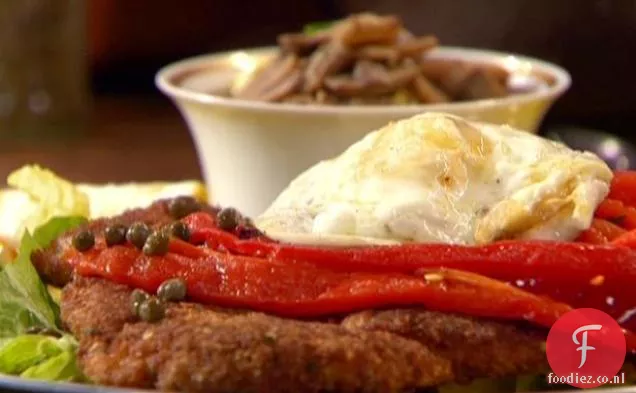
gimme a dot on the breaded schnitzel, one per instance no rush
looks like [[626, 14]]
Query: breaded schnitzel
[[197, 348]]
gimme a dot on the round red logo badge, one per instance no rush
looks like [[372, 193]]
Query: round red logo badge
[[586, 349]]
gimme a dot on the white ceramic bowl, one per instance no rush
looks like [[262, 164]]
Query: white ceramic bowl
[[249, 151]]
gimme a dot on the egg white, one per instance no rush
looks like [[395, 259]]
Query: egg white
[[437, 178]]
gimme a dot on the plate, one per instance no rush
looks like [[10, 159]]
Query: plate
[[10, 384]]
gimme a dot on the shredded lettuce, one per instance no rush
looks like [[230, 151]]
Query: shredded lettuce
[[61, 367], [27, 350], [25, 303], [52, 196], [40, 357]]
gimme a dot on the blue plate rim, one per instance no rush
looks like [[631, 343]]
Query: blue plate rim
[[36, 386]]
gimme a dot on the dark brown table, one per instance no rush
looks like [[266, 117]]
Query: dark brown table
[[124, 139]]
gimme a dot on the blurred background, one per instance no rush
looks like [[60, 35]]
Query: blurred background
[[102, 119]]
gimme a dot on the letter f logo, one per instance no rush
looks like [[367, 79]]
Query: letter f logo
[[583, 344], [571, 339]]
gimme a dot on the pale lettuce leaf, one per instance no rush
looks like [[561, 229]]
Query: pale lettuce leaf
[[26, 303], [24, 300], [40, 357]]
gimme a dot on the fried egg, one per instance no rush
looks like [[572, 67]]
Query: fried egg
[[437, 178]]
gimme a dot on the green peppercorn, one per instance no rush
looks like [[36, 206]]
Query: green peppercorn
[[115, 234], [182, 206], [136, 298], [137, 234], [228, 219], [179, 230], [156, 244], [151, 310], [84, 241], [172, 290]]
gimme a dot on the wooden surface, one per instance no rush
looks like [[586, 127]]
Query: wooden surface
[[124, 139]]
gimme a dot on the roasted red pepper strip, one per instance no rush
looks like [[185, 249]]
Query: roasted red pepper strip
[[616, 212], [217, 239], [600, 232], [628, 239], [304, 290], [582, 275], [186, 249], [592, 236], [623, 187], [610, 230], [610, 209]]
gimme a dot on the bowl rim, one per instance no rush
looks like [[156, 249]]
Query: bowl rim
[[166, 76]]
